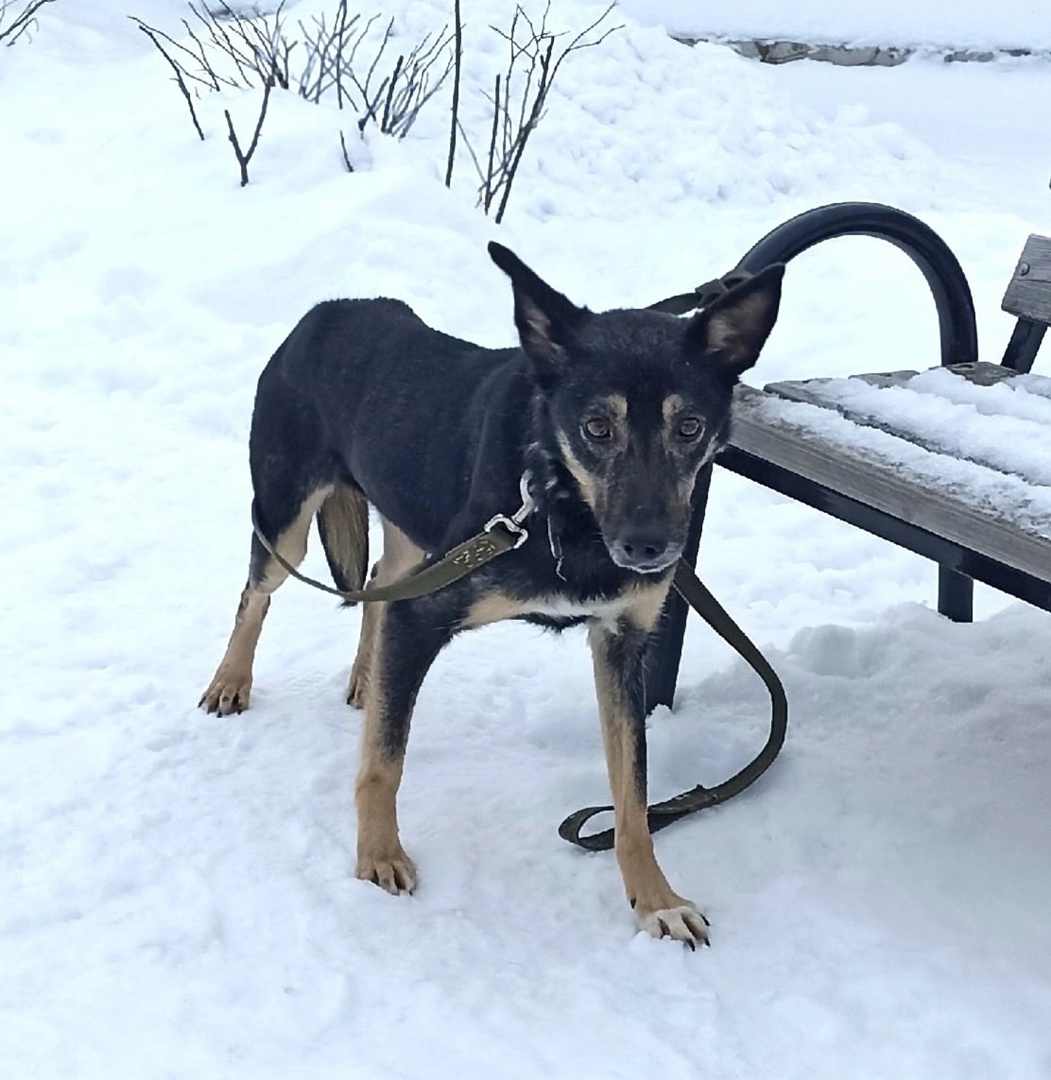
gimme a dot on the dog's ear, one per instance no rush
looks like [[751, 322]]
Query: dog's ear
[[545, 318], [733, 329]]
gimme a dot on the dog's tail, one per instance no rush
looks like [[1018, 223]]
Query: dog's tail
[[343, 522]]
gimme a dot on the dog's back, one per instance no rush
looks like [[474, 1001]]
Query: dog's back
[[363, 393]]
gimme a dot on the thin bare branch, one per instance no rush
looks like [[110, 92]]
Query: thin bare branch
[[346, 156], [243, 158], [455, 119], [23, 22], [178, 76]]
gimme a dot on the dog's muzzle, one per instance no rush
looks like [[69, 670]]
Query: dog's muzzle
[[645, 552]]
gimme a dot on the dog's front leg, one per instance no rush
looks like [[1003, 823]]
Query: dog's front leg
[[405, 643], [618, 656]]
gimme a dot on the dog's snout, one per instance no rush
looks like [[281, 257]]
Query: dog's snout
[[644, 549]]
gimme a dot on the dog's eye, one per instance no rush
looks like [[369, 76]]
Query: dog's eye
[[597, 429], [689, 427]]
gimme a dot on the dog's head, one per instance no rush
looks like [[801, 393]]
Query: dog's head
[[634, 403]]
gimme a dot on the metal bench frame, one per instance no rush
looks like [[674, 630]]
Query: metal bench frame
[[958, 566]]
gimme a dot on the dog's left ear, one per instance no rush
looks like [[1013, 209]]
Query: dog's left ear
[[545, 318], [733, 329]]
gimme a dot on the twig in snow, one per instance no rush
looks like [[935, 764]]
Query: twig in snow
[[244, 158]]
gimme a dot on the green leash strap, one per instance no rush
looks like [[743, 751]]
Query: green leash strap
[[702, 296], [501, 533], [664, 813]]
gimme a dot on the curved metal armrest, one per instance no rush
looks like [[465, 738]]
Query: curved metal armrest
[[948, 284]]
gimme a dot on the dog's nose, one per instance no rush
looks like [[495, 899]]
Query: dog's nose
[[642, 549]]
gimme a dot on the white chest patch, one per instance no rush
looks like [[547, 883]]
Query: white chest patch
[[562, 607]]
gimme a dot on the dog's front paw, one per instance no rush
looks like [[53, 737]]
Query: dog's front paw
[[394, 872], [227, 693], [683, 922]]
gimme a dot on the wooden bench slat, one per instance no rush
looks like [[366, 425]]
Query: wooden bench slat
[[1029, 293], [765, 433]]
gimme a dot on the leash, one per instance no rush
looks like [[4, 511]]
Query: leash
[[702, 296], [501, 533], [662, 814]]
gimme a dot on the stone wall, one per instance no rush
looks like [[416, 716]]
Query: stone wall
[[784, 52]]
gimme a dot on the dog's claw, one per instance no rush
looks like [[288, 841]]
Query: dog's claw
[[682, 923], [395, 873], [227, 693]]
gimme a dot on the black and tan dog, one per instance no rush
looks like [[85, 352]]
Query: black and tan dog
[[608, 417]]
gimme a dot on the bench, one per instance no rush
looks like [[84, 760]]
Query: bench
[[953, 463]]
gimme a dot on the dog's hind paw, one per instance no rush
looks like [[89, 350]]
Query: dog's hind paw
[[682, 923], [395, 873], [226, 694]]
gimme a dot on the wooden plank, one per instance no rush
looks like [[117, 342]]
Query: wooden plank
[[875, 483], [1029, 292]]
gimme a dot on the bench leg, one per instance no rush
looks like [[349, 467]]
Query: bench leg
[[665, 648], [955, 595]]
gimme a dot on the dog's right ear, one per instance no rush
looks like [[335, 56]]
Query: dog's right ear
[[545, 318], [733, 329]]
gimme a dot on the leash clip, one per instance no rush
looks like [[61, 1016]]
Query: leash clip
[[513, 524]]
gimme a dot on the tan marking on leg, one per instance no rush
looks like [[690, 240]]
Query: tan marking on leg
[[344, 517], [658, 909], [380, 857], [400, 554], [230, 688]]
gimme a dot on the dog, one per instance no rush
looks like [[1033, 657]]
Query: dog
[[603, 419]]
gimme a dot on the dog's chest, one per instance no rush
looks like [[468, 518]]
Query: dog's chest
[[566, 607], [560, 611]]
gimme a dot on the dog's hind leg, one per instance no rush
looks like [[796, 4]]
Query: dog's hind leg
[[229, 690], [618, 656], [343, 524], [400, 554]]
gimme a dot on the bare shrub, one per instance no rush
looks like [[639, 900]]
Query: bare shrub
[[520, 96], [333, 56]]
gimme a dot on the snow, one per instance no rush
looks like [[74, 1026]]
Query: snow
[[178, 891], [964, 24]]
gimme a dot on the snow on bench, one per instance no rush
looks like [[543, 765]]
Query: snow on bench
[[963, 452]]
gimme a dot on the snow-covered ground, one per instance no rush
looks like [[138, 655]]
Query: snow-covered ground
[[177, 891]]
